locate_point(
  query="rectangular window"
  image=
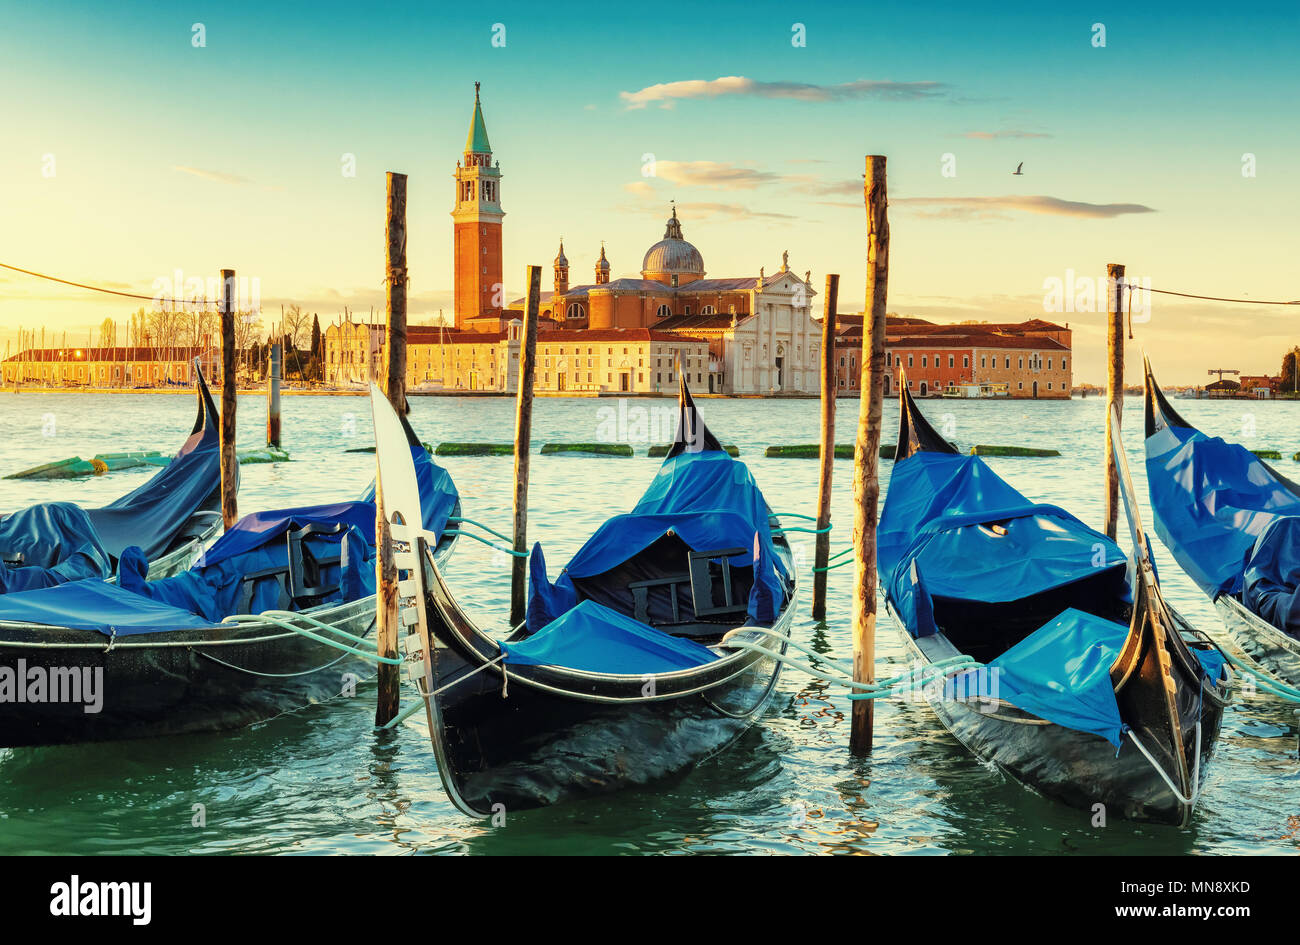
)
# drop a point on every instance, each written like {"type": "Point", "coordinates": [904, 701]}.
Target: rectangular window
{"type": "Point", "coordinates": [965, 360]}
{"type": "Point", "coordinates": [909, 364]}
{"type": "Point", "coordinates": [1008, 364]}
{"type": "Point", "coordinates": [951, 361]}
{"type": "Point", "coordinates": [925, 360]}
{"type": "Point", "coordinates": [1020, 363]}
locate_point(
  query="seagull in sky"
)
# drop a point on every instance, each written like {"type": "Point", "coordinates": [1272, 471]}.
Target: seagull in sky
{"type": "Point", "coordinates": [1019, 172]}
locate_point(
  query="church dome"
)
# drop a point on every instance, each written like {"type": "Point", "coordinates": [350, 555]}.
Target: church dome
{"type": "Point", "coordinates": [672, 255]}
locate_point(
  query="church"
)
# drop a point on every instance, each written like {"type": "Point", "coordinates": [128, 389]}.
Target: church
{"type": "Point", "coordinates": [748, 335]}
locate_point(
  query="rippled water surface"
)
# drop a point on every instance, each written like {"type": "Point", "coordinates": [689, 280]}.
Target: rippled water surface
{"type": "Point", "coordinates": [321, 781]}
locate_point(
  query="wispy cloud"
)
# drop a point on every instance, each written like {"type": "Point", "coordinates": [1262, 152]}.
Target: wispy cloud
{"type": "Point", "coordinates": [715, 174]}
{"type": "Point", "coordinates": [730, 212]}
{"type": "Point", "coordinates": [995, 135]}
{"type": "Point", "coordinates": [666, 93]}
{"type": "Point", "coordinates": [218, 176]}
{"type": "Point", "coordinates": [997, 207]}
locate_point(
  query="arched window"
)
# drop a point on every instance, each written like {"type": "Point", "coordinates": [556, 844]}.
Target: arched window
{"type": "Point", "coordinates": [664, 311]}
{"type": "Point", "coordinates": [575, 310]}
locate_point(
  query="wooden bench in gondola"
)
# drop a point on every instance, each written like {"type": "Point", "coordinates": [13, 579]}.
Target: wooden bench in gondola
{"type": "Point", "coordinates": [707, 572]}
{"type": "Point", "coordinates": [300, 581]}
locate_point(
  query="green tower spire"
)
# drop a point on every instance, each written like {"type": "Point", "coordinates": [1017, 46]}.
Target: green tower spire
{"type": "Point", "coordinates": [477, 141]}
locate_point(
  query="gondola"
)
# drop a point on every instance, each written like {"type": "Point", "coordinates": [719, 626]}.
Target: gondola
{"type": "Point", "coordinates": [93, 660]}
{"type": "Point", "coordinates": [169, 518]}
{"type": "Point", "coordinates": [1090, 689]}
{"type": "Point", "coordinates": [624, 671]}
{"type": "Point", "coordinates": [1232, 522]}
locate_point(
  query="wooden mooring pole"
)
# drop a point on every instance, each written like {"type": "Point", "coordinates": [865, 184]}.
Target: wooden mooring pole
{"type": "Point", "coordinates": [1114, 385]}
{"type": "Point", "coordinates": [866, 463]}
{"type": "Point", "coordinates": [523, 437]}
{"type": "Point", "coordinates": [229, 391]}
{"type": "Point", "coordinates": [386, 611]}
{"type": "Point", "coordinates": [273, 399]}
{"type": "Point", "coordinates": [829, 388]}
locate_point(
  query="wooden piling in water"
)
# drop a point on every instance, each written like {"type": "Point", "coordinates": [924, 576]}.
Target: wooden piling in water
{"type": "Point", "coordinates": [866, 464]}
{"type": "Point", "coordinates": [229, 390]}
{"type": "Point", "coordinates": [386, 610]}
{"type": "Point", "coordinates": [273, 399]}
{"type": "Point", "coordinates": [821, 557]}
{"type": "Point", "coordinates": [523, 436]}
{"type": "Point", "coordinates": [1114, 385]}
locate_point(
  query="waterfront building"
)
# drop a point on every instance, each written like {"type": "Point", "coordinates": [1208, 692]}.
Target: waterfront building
{"type": "Point", "coordinates": [1028, 359]}
{"type": "Point", "coordinates": [123, 366]}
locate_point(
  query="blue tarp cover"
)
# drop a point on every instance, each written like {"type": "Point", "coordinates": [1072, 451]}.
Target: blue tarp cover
{"type": "Point", "coordinates": [96, 605]}
{"type": "Point", "coordinates": [210, 590]}
{"type": "Point", "coordinates": [709, 500]}
{"type": "Point", "coordinates": [62, 542]}
{"type": "Point", "coordinates": [595, 639]}
{"type": "Point", "coordinates": [1212, 500]}
{"type": "Point", "coordinates": [150, 516]}
{"type": "Point", "coordinates": [933, 541]}
{"type": "Point", "coordinates": [1272, 577]}
{"type": "Point", "coordinates": [1061, 672]}
{"type": "Point", "coordinates": [58, 544]}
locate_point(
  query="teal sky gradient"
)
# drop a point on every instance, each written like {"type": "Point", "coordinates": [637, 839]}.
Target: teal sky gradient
{"type": "Point", "coordinates": [1160, 118]}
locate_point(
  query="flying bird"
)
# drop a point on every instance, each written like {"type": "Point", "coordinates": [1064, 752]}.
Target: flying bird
{"type": "Point", "coordinates": [1018, 171]}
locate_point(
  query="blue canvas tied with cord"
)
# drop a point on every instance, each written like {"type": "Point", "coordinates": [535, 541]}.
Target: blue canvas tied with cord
{"type": "Point", "coordinates": [1213, 500]}
{"type": "Point", "coordinates": [954, 530]}
{"type": "Point", "coordinates": [706, 499]}
{"type": "Point", "coordinates": [1231, 525]}
{"type": "Point", "coordinates": [593, 638]}
{"type": "Point", "coordinates": [56, 542]}
{"type": "Point", "coordinates": [337, 538]}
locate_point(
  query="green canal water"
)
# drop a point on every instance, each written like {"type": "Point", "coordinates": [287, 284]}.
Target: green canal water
{"type": "Point", "coordinates": [321, 781]}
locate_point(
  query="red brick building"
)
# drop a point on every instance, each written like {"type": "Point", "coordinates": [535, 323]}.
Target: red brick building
{"type": "Point", "coordinates": [1021, 360]}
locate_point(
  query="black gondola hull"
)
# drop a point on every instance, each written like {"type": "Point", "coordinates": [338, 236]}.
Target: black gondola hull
{"type": "Point", "coordinates": [526, 748]}
{"type": "Point", "coordinates": [1078, 768]}
{"type": "Point", "coordinates": [1270, 649]}
{"type": "Point", "coordinates": [520, 737]}
{"type": "Point", "coordinates": [177, 682]}
{"type": "Point", "coordinates": [173, 683]}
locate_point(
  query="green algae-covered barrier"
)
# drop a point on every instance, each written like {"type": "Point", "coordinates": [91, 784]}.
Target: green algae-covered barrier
{"type": "Point", "coordinates": [814, 451]}
{"type": "Point", "coordinates": [587, 449]}
{"type": "Point", "coordinates": [984, 449]}
{"type": "Point", "coordinates": [662, 450]}
{"type": "Point", "coordinates": [1268, 454]}
{"type": "Point", "coordinates": [475, 449]}
{"type": "Point", "coordinates": [263, 454]}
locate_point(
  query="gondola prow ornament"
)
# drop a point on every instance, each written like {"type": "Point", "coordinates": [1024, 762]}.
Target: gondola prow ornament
{"type": "Point", "coordinates": [407, 538]}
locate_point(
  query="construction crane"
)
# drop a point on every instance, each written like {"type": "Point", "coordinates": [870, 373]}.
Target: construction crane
{"type": "Point", "coordinates": [1222, 371]}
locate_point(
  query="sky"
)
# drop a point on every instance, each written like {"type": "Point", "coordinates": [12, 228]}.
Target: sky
{"type": "Point", "coordinates": [131, 151]}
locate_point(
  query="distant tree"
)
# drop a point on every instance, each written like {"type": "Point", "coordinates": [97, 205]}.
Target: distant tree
{"type": "Point", "coordinates": [138, 328]}
{"type": "Point", "coordinates": [1288, 382]}
{"type": "Point", "coordinates": [108, 333]}
{"type": "Point", "coordinates": [317, 341]}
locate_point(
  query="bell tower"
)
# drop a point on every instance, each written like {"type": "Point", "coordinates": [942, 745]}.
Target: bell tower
{"type": "Point", "coordinates": [478, 216]}
{"type": "Point", "coordinates": [561, 273]}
